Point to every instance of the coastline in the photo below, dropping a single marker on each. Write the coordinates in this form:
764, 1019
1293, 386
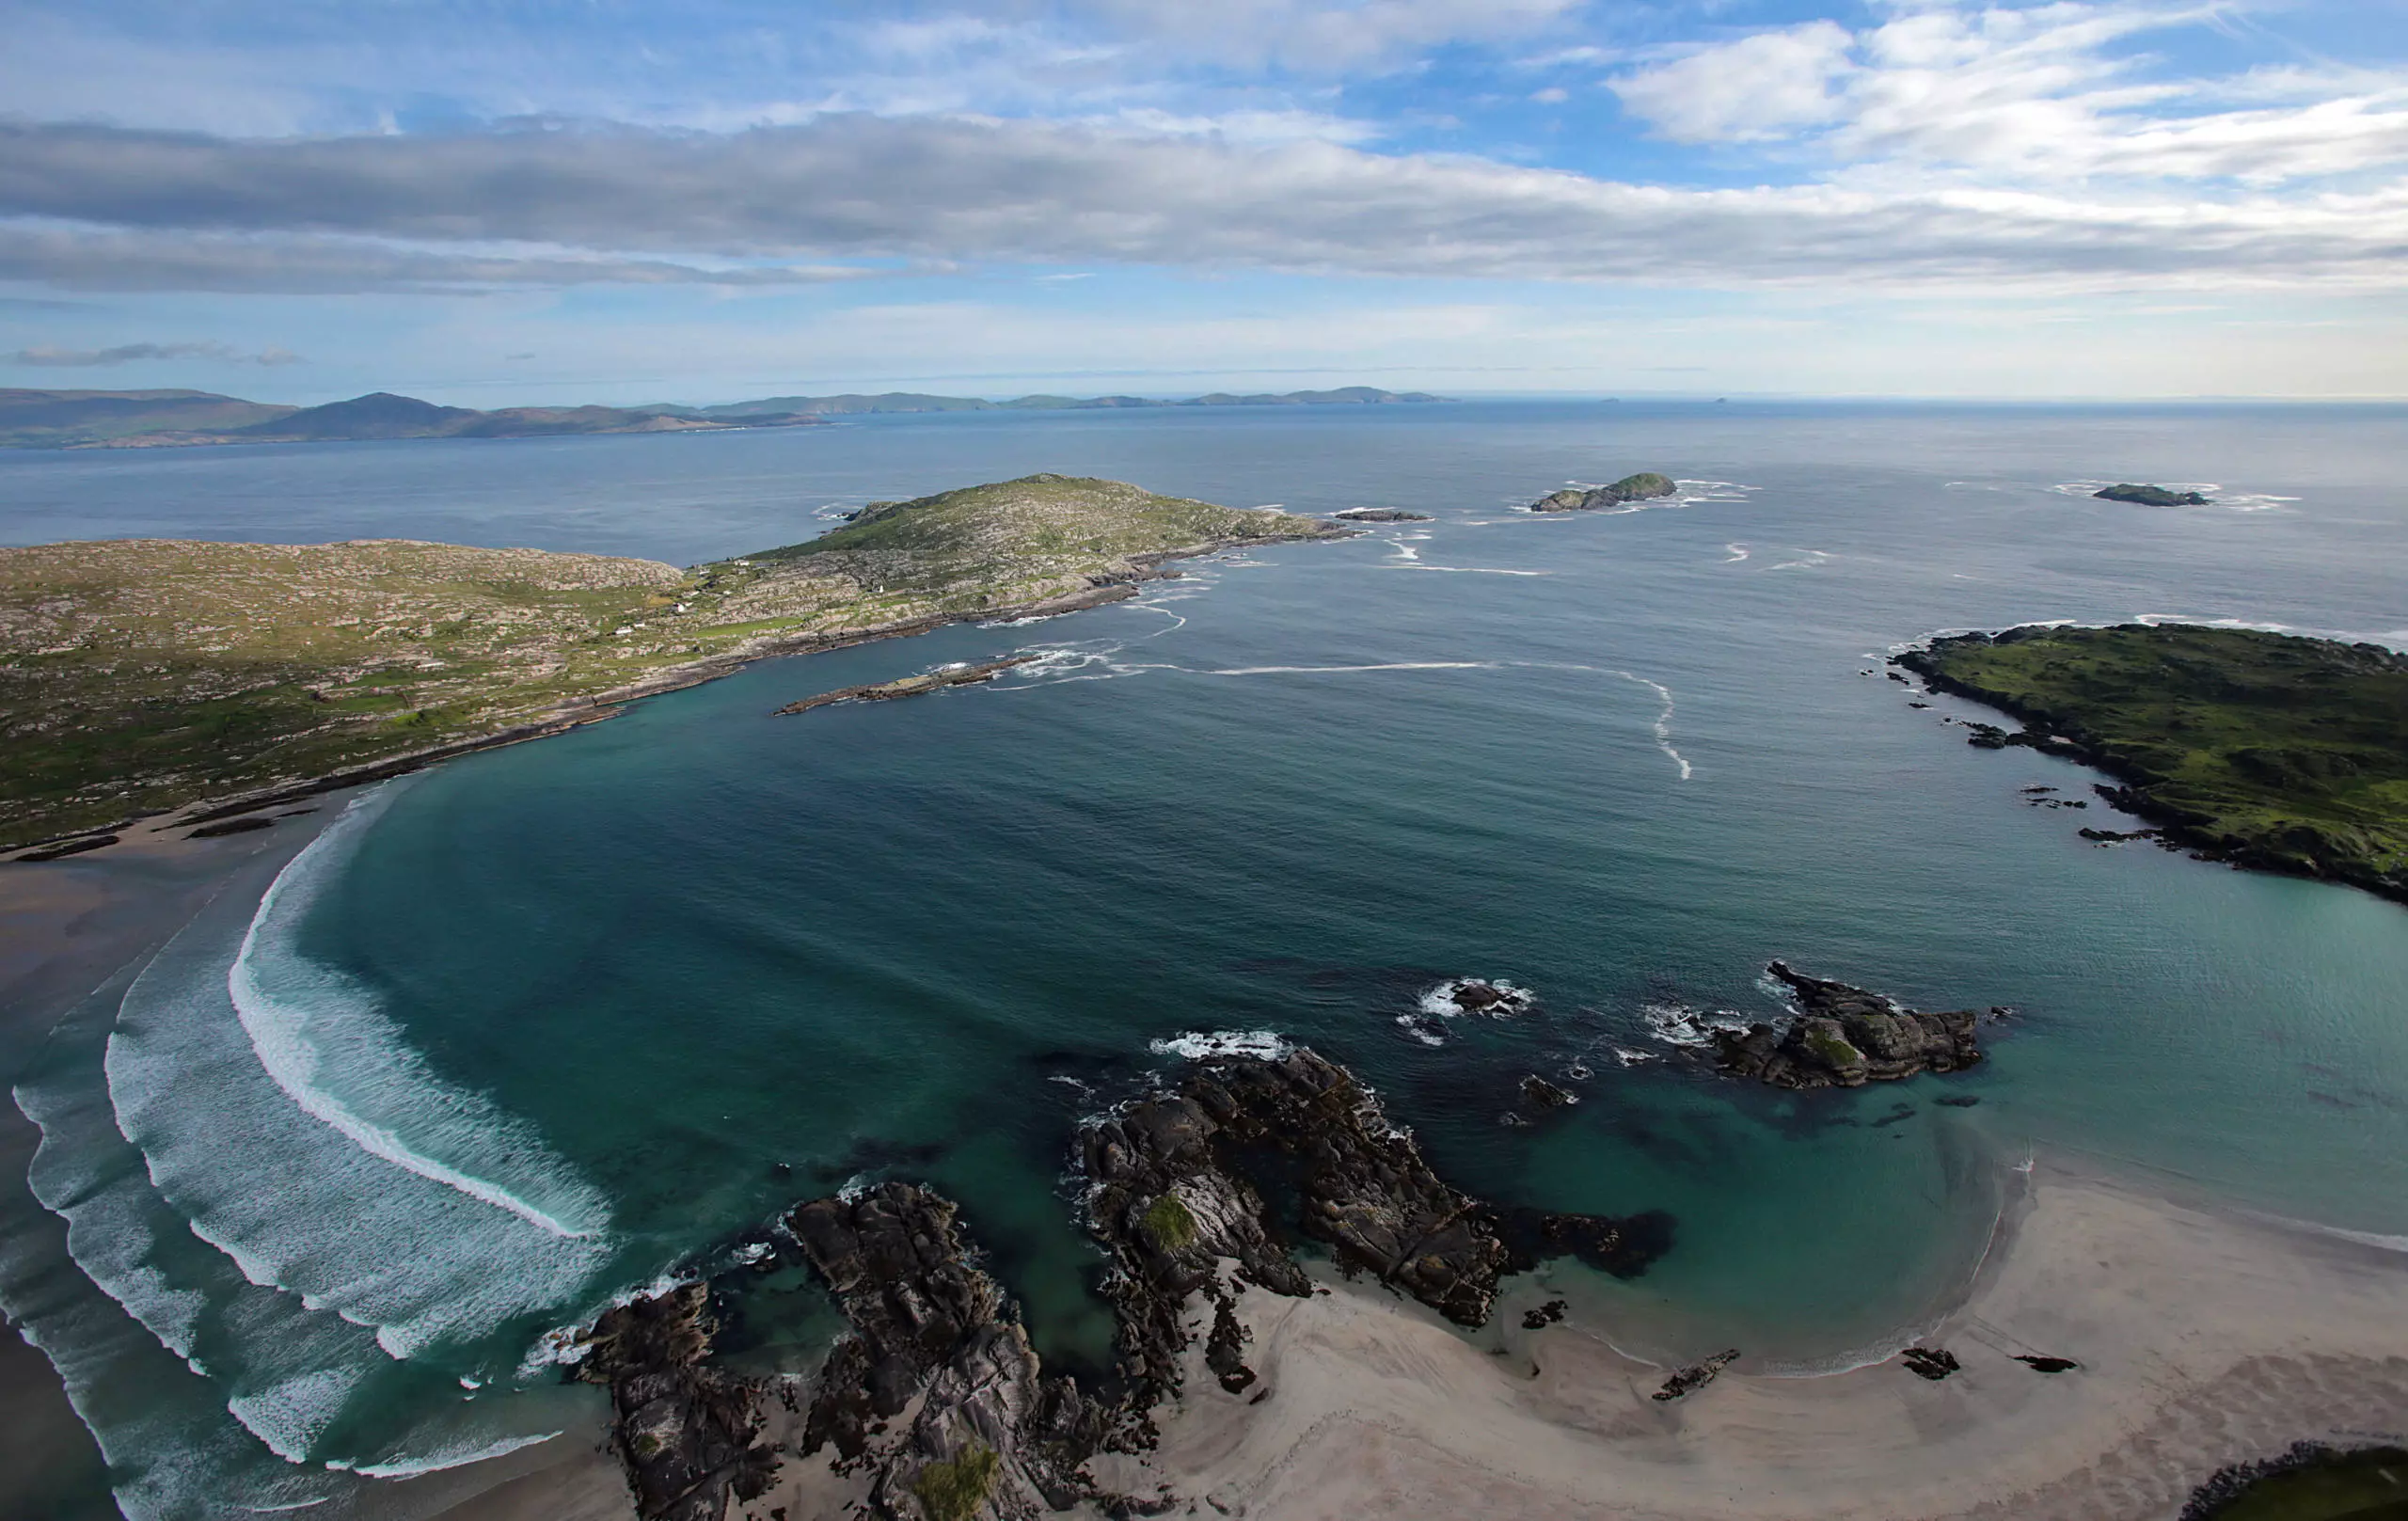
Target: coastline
66, 928
2205, 1338
612, 702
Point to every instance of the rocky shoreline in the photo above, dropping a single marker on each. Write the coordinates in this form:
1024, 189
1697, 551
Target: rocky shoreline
609, 704
927, 681
1845, 1036
934, 1403
2135, 792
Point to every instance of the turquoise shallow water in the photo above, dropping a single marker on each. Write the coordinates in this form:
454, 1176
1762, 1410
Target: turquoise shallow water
520, 1034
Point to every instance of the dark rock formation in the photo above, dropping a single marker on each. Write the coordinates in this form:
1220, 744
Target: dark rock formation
2047, 1365
928, 1325
1544, 1094
1644, 486
1545, 1315
1381, 515
1845, 1036
685, 1433
2150, 496
1477, 995
1695, 1376
1934, 1363
2115, 836
1176, 1183
879, 691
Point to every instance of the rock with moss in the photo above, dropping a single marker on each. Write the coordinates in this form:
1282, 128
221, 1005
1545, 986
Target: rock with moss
1845, 1036
1644, 486
2150, 496
2273, 752
1179, 1184
930, 1326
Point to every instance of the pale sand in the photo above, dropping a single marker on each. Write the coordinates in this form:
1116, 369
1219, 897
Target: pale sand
2204, 1339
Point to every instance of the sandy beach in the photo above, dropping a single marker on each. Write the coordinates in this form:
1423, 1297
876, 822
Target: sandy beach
2204, 1339
65, 928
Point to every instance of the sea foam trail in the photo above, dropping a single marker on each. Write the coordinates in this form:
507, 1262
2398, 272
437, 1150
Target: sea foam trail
270, 1109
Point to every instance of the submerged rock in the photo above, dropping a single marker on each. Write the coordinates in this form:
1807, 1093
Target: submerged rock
1845, 1036
1644, 486
926, 681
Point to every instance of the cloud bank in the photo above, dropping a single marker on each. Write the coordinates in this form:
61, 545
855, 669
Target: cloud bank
104, 207
132, 352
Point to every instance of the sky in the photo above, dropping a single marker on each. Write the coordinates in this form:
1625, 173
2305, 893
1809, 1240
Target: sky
495, 202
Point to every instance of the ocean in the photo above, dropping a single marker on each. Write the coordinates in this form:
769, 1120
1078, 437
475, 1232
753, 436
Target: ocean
512, 1038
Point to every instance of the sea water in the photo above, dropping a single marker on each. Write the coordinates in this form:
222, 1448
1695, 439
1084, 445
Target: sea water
519, 1036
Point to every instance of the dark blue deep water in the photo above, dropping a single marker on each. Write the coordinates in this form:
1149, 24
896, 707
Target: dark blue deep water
521, 1034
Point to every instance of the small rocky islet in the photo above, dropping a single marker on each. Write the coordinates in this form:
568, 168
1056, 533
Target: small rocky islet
1645, 486
2147, 496
1845, 1036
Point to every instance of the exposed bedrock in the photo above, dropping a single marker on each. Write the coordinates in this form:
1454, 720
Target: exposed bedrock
687, 1434
935, 1339
1178, 1181
1845, 1036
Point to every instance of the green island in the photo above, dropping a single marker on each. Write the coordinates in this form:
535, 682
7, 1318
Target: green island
141, 677
2271, 750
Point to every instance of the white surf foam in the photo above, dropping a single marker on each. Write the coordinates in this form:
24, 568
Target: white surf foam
1733, 553
1201, 1045
289, 1416
454, 1458
1441, 1002
1677, 1024
306, 1024
281, 1114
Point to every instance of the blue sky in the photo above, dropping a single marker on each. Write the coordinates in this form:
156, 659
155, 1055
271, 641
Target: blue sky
574, 201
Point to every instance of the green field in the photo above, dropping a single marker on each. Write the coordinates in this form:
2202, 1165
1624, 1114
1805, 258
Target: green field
137, 676
2273, 751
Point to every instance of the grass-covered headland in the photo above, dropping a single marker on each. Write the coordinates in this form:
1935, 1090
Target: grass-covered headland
2271, 750
139, 678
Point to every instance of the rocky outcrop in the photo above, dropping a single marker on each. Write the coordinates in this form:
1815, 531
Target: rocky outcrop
687, 1434
927, 681
1933, 1363
1177, 1184
934, 1337
1381, 515
1644, 486
1845, 1037
2150, 496
1687, 1381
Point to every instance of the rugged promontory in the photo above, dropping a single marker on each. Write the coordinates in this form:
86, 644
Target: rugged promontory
2271, 750
936, 1405
1845, 1036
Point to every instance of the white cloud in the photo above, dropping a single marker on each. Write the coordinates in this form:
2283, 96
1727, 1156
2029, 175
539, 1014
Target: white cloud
2029, 95
1753, 87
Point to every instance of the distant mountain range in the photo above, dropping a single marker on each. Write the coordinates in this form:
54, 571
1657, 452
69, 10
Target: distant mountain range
166, 419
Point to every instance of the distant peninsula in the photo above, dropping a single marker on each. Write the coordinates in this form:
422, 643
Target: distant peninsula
2271, 750
139, 678
2150, 496
170, 419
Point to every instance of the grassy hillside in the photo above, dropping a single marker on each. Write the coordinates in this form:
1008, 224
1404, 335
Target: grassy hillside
49, 419
140, 675
2269, 750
